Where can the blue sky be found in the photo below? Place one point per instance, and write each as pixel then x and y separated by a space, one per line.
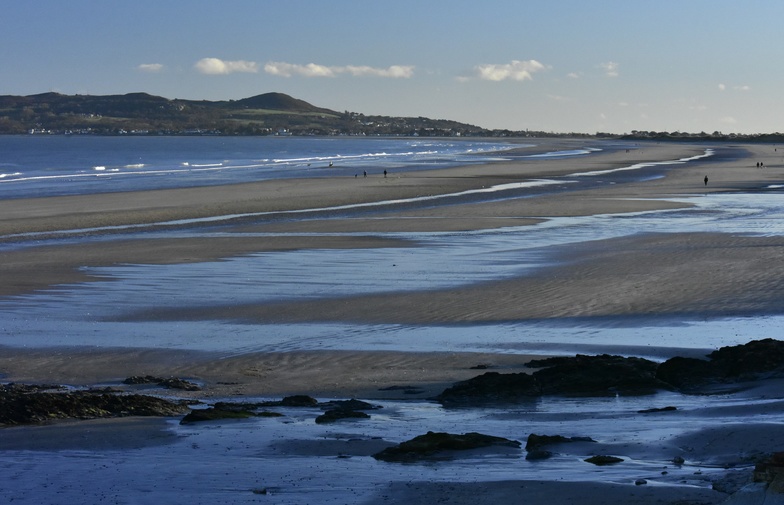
pixel 553 65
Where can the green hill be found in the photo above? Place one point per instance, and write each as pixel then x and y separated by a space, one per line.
pixel 145 114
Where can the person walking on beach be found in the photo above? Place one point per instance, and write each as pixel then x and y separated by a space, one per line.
pixel 385 174
pixel 706 180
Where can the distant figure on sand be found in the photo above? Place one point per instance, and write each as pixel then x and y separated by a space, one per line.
pixel 364 173
pixel 706 180
pixel 385 174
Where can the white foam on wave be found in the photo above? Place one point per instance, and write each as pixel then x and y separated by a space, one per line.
pixel 637 166
pixel 207 165
pixel 570 152
pixel 229 217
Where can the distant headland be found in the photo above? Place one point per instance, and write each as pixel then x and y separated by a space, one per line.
pixel 265 114
pixel 145 114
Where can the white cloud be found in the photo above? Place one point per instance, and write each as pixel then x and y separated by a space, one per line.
pixel 573 75
pixel 610 68
pixel 289 69
pixel 515 71
pixel 216 66
pixel 745 87
pixel 283 69
pixel 728 120
pixel 394 72
pixel 150 67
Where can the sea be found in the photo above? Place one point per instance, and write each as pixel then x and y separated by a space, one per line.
pixel 56 165
pixel 291 459
pixel 98 314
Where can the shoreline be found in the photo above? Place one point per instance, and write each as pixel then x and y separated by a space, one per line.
pixel 652 274
pixel 740 281
pixel 60 259
pixel 372 375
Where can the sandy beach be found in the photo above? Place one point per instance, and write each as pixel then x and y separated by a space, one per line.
pixel 708 274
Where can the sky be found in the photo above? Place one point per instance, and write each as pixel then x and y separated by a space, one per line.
pixel 547 65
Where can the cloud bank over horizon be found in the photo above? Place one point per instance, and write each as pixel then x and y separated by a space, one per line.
pixel 216 66
pixel 516 70
pixel 284 69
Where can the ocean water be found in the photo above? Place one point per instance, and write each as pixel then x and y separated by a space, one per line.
pixel 43 165
pixel 295 460
pixel 107 313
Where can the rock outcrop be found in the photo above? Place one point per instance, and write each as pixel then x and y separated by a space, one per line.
pixel 605 374
pixel 432 445
pixel 30 404
pixel 575 376
pixel 165 382
pixel 754 360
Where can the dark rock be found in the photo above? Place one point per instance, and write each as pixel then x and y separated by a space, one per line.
pixel 106 389
pixel 685 373
pixel 236 406
pixel 548 362
pixel 754 360
pixel 749 360
pixel 536 442
pixel 13 387
pixel 349 405
pixel 20 407
pixel 602 375
pixel 298 401
pixel 491 387
pixel 431 444
pixel 214 414
pixel 603 460
pixel 333 415
pixel 407 390
pixel 245 407
pixel 640 482
pixel 660 409
pixel 267 413
pixel 579 375
pixel 170 383
pixel 538 454
pixel 771 469
pixel 678 460
pixel 142 379
pixel 598 376
pixel 175 383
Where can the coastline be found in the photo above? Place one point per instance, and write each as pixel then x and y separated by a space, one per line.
pixel 704 273
pixel 696 273
pixel 654 275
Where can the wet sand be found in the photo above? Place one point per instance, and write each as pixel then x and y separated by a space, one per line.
pixel 705 273
pixel 670 274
